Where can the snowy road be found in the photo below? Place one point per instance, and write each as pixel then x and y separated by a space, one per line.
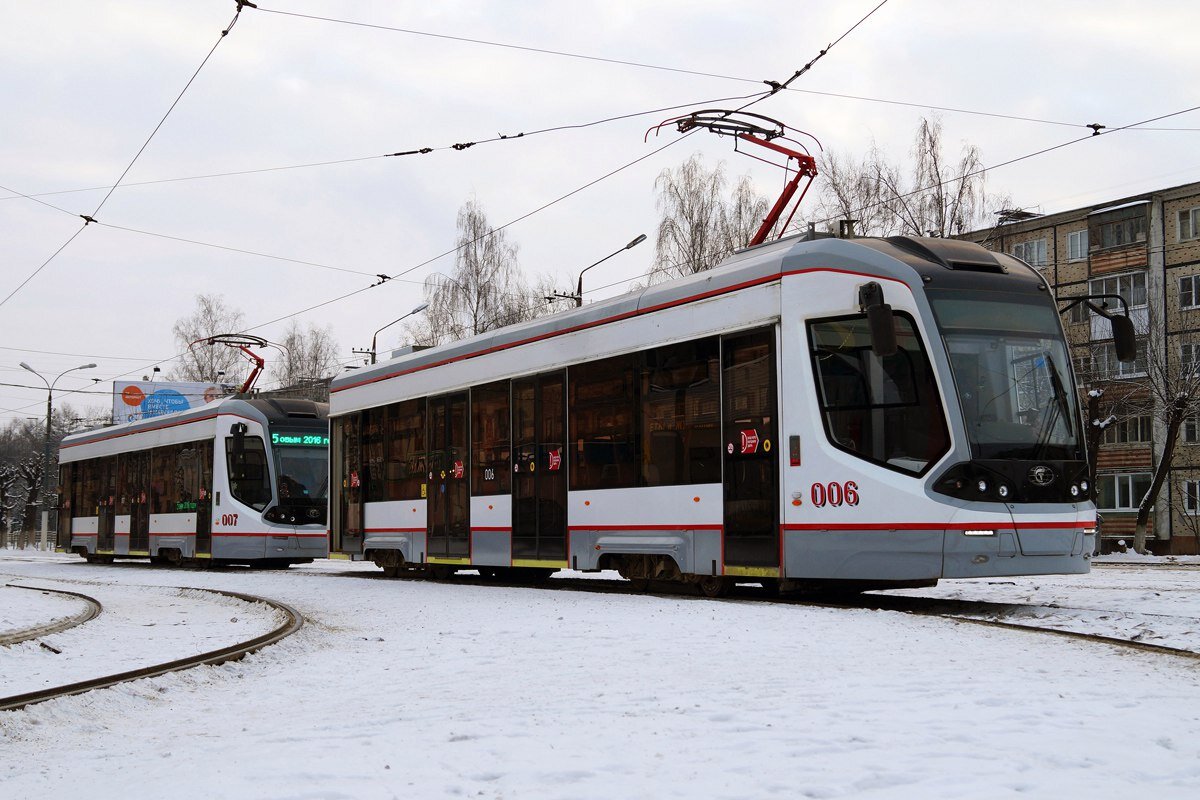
pixel 413 689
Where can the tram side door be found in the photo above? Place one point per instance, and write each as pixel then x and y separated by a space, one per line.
pixel 449 503
pixel 138 485
pixel 539 484
pixel 751 482
pixel 347 464
pixel 107 511
pixel 204 498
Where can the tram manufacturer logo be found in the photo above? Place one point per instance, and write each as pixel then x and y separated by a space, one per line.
pixel 1041 476
pixel 555 457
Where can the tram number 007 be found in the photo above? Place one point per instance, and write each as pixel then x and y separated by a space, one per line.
pixel 229 519
pixel 834 494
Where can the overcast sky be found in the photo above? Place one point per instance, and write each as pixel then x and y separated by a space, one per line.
pixel 85 83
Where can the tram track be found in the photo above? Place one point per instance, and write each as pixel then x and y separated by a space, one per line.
pixel 92 609
pixel 293 621
pixel 954 610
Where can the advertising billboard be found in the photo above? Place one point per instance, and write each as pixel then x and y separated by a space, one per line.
pixel 134 400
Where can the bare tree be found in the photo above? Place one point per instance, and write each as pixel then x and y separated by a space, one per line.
pixel 203 362
pixel 1185 504
pixel 699 226
pixel 942 196
pixel 486 289
pixel 1162 384
pixel 309 354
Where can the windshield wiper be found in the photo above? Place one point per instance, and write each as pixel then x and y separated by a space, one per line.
pixel 1061 408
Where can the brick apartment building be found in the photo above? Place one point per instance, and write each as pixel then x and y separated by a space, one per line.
pixel 1147 249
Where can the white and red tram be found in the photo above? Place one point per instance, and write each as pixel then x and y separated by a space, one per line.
pixel 233 481
pixel 870 412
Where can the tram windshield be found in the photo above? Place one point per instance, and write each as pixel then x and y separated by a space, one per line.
pixel 302 466
pixel 1012 373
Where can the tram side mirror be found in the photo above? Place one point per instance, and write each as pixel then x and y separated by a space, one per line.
pixel 879 319
pixel 1124 339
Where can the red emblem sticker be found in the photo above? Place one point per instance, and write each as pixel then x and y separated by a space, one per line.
pixel 749 441
pixel 458 469
pixel 555 459
pixel 354 482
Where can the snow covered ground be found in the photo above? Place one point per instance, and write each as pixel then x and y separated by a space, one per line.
pixel 410 689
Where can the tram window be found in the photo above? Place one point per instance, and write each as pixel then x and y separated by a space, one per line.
pixel 89 483
pixel 603 419
pixel 490 456
pixel 885 410
pixel 373 442
pixel 162 480
pixel 405 451
pixel 249 478
pixel 680 390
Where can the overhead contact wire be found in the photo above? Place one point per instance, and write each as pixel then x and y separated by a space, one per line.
pixel 89 218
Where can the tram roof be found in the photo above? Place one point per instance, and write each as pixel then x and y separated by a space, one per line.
pixel 269 410
pixel 907 259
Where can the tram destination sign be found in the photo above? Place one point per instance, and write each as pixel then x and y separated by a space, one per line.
pixel 300 439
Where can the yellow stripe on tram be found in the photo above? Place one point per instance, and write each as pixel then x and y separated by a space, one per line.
pixel 441 560
pixel 752 572
pixel 340 556
pixel 139 552
pixel 533 562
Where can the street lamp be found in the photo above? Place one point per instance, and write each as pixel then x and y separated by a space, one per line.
pixel 579 289
pixel 49 414
pixel 416 310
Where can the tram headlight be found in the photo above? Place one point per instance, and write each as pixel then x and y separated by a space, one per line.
pixel 1074 490
pixel 982 485
pixel 1003 490
pixel 1083 486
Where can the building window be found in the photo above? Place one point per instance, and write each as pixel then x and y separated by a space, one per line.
pixel 1189 359
pixel 1122 492
pixel 1191 429
pixel 1102 364
pixel 1191 497
pixel 1033 253
pixel 1131 286
pixel 1131 430
pixel 1189 224
pixel 1123 232
pixel 1078 314
pixel 1189 291
pixel 1077 245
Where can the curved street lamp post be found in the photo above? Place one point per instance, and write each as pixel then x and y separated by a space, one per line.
pixel 45 498
pixel 416 310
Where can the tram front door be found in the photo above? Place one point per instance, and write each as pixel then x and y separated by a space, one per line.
pixel 751 455
pixel 539 486
pixel 449 520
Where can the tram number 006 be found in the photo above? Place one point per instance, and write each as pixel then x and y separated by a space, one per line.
pixel 834 494
pixel 229 519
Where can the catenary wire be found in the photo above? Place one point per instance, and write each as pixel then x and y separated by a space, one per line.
pixel 458 146
pixel 88 218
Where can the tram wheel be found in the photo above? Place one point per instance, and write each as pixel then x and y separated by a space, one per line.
pixel 714 585
pixel 392 571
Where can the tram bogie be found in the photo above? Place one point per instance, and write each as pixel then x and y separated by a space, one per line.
pixel 858 413
pixel 231 482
